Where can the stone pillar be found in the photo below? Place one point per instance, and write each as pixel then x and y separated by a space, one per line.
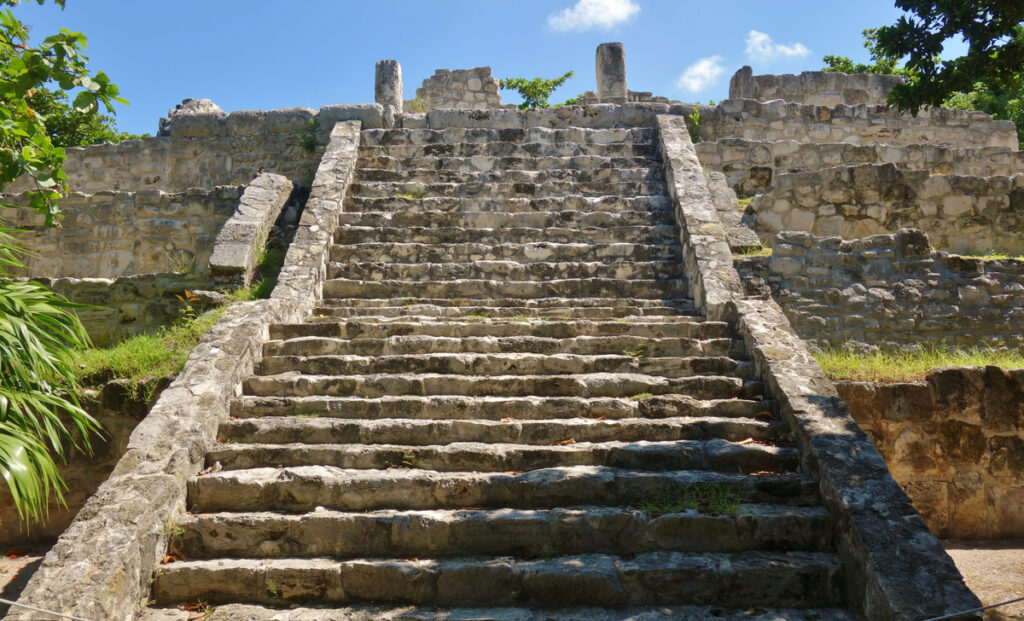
pixel 611 73
pixel 741 86
pixel 387 85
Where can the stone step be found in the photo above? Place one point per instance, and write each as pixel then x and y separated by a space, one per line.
pixel 575 385
pixel 488 163
pixel 507 364
pixel 333 309
pixel 511 204
pixel 304 488
pixel 510 409
pixel 520 533
pixel 715 455
pixel 546 434
pixel 401 136
pixel 682 306
pixel 647 234
pixel 514 176
pixel 553 187
pixel 484 289
pixel 584 345
pixel 496 220
pixel 753 578
pixel 506 270
pixel 646 327
pixel 504 148
pixel 247 612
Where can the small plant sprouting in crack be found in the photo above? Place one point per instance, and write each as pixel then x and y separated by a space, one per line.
pixel 639 350
pixel 171 528
pixel 199 611
pixel 641 396
pixel 273 589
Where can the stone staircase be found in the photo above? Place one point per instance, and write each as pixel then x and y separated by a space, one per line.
pixel 505 407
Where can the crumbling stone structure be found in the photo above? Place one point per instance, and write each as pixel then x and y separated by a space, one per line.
pixel 475 88
pixel 487 319
pixel 815 88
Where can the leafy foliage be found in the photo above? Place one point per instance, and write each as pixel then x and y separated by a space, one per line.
pixel 880 63
pixel 39 414
pixel 994 35
pixel 68 126
pixel 535 92
pixel 26 147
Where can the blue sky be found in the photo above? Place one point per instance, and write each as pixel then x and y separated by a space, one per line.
pixel 263 54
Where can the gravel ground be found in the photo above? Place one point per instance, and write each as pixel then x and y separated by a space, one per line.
pixel 994 570
pixel 16 566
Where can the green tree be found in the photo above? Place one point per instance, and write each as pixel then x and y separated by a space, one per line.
pixel 39 414
pixel 994 35
pixel 535 92
pixel 880 63
pixel 68 126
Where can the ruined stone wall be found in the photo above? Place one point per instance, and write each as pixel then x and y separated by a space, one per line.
pixel 818 88
pixel 955 444
pixel 211 149
pixel 971 215
pixel 752 166
pixel 858 125
pixel 112 234
pixel 129 305
pixel 891 290
pixel 457 88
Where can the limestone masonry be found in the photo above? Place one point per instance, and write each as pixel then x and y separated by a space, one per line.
pixel 512 368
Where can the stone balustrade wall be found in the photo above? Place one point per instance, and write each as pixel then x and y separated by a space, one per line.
pixel 475 88
pixel 752 166
pixel 818 88
pixel 955 444
pixel 112 234
pixel 857 125
pixel 890 290
pixel 962 214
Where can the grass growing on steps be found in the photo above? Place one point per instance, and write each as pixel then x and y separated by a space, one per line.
pixel 887 366
pixel 712 499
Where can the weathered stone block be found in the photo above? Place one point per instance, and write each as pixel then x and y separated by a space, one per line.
pixel 611 72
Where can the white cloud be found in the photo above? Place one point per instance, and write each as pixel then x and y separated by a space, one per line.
pixel 761 47
pixel 587 14
pixel 701 74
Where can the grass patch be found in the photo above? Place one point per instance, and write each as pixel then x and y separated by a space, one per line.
pixel 712 499
pixel 993 256
pixel 411 194
pixel 743 201
pixel 892 365
pixel 762 251
pixel 145 358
